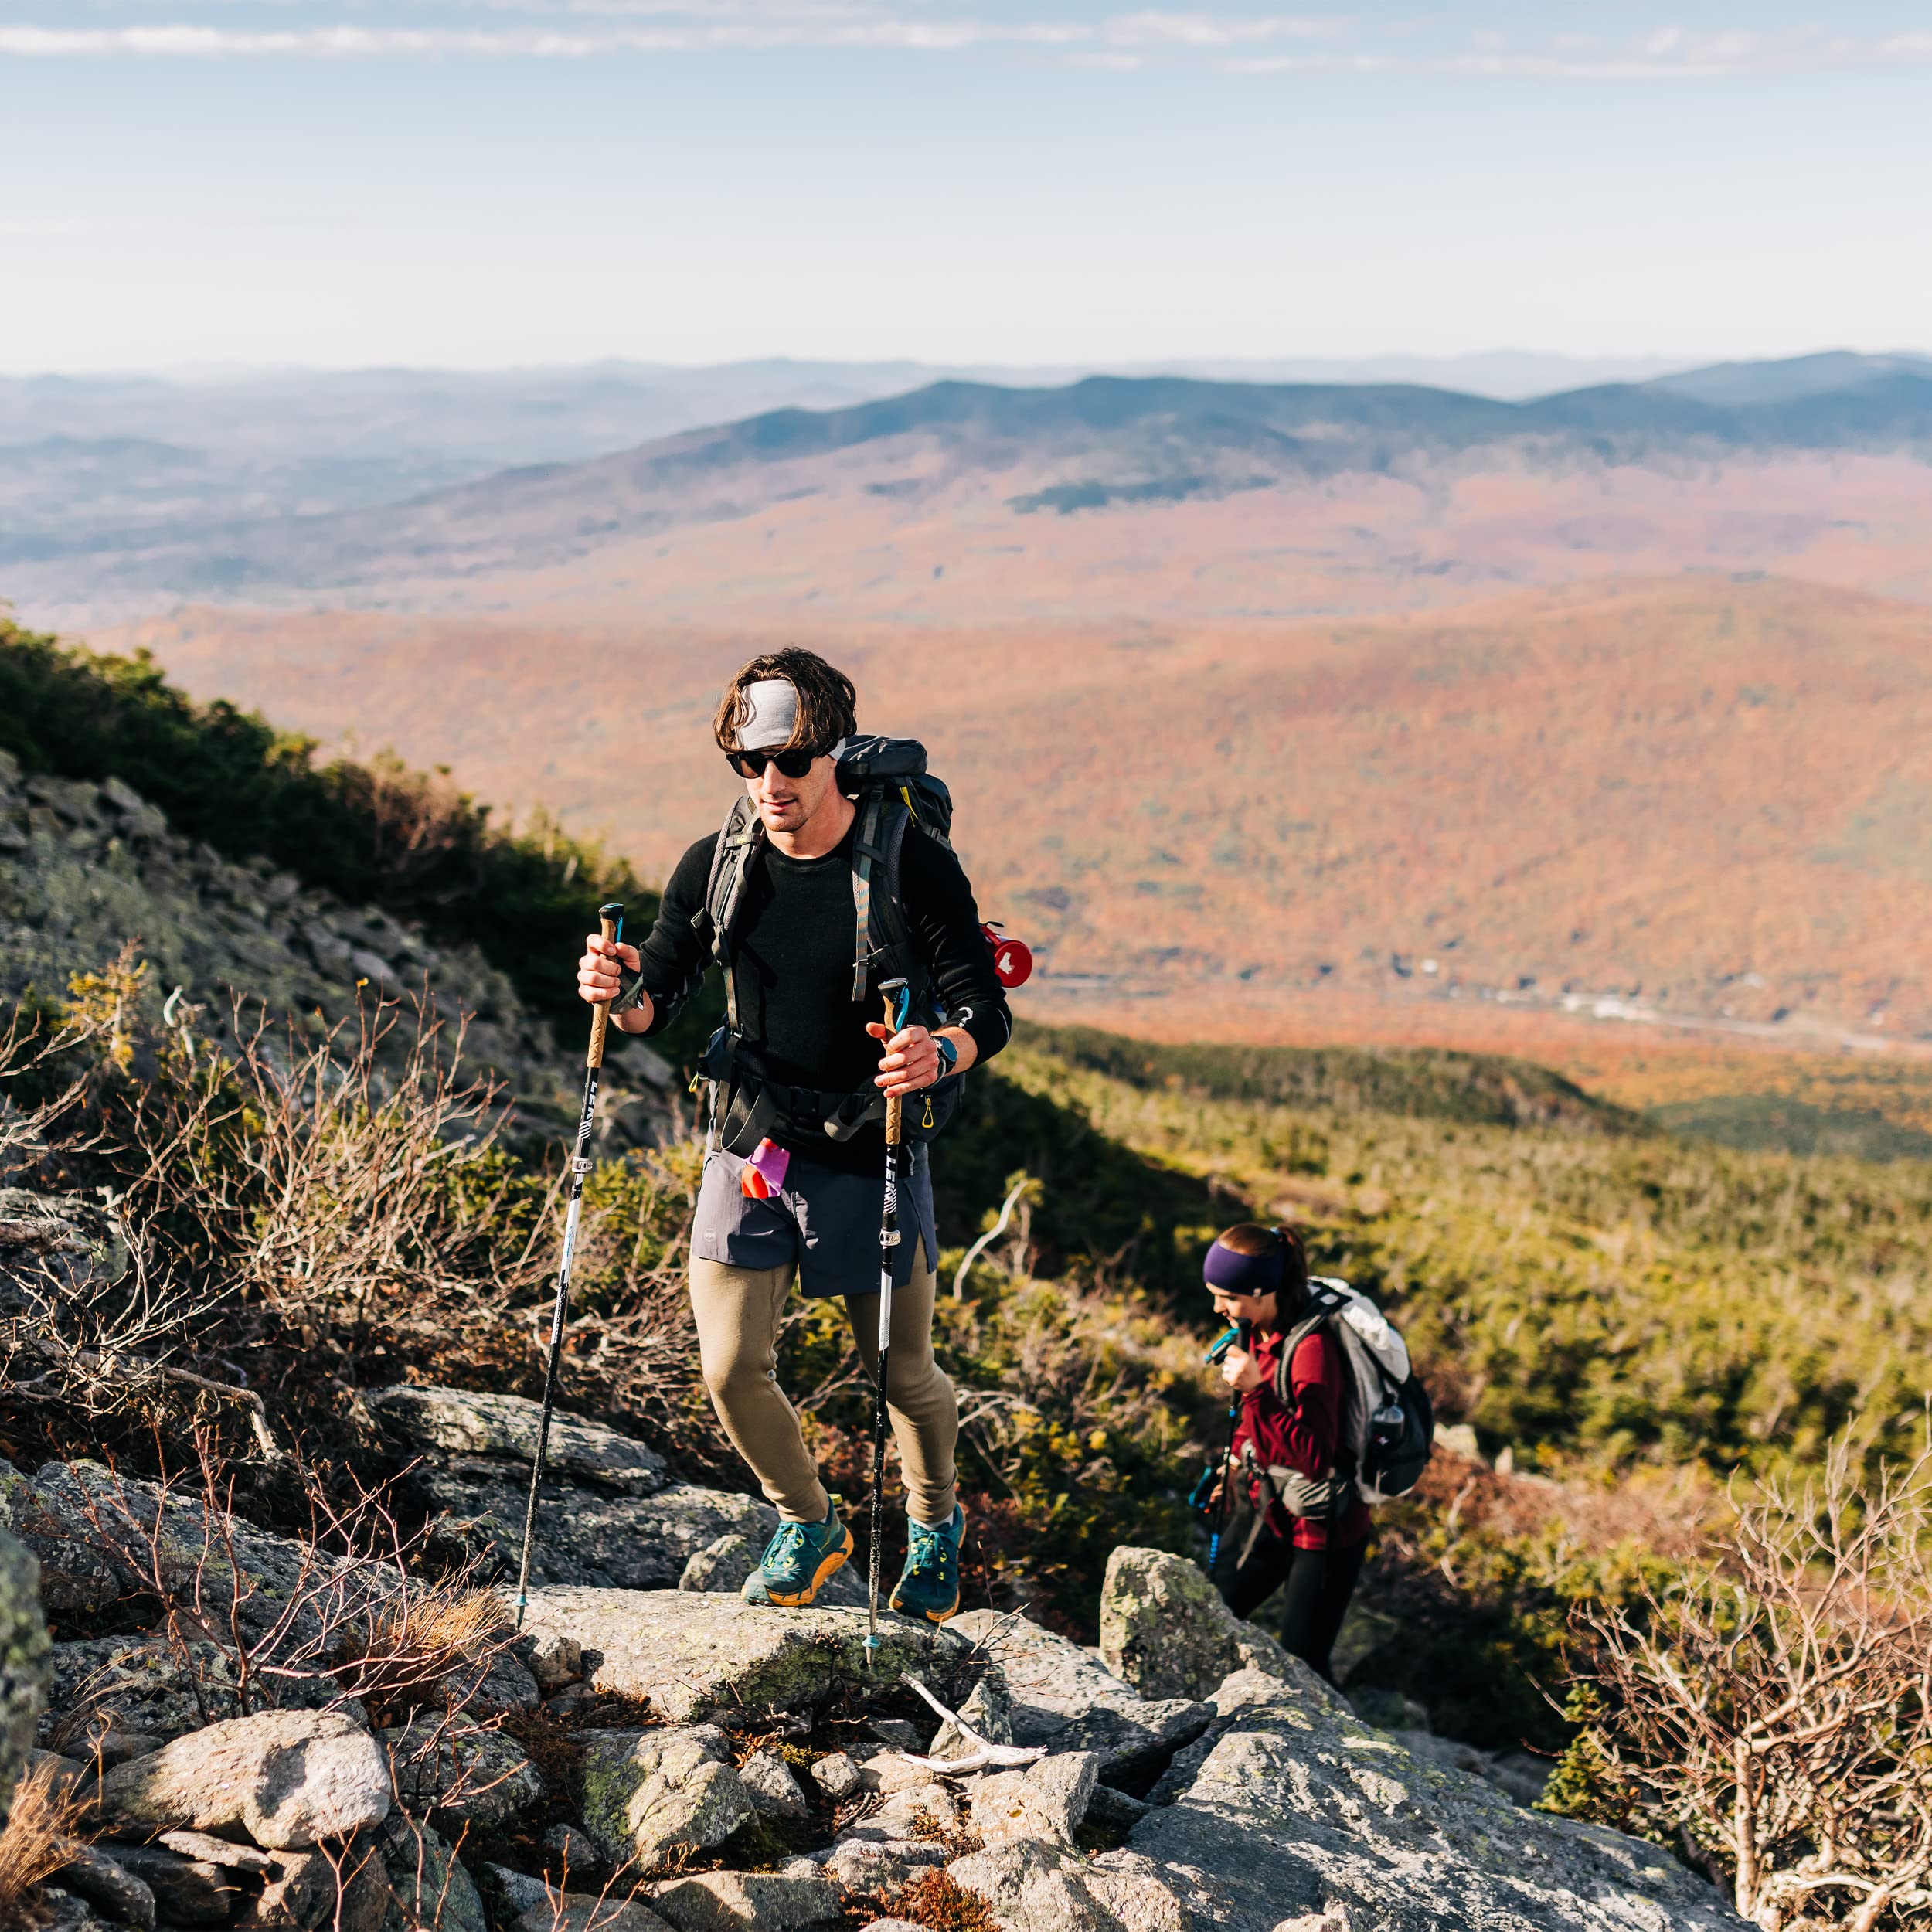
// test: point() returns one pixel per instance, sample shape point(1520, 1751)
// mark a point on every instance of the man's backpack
point(1388, 1426)
point(896, 796)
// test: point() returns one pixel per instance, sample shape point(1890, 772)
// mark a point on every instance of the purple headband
point(1233, 1274)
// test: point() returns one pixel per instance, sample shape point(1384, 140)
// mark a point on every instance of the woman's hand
point(910, 1061)
point(1241, 1372)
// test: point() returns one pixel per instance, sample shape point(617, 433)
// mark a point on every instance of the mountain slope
point(996, 454)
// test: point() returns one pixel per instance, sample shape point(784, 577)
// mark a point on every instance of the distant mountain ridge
point(1103, 442)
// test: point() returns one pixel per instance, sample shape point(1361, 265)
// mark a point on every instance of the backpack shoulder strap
point(882, 818)
point(739, 840)
point(1321, 1308)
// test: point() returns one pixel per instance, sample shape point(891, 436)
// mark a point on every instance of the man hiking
point(1300, 1523)
point(794, 1165)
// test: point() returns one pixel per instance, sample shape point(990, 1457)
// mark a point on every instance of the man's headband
point(771, 714)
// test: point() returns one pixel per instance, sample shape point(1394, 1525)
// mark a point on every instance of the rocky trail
point(262, 1734)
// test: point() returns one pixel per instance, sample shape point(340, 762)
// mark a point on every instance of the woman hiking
point(1299, 1524)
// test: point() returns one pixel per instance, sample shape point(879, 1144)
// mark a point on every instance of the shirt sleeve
point(946, 929)
point(677, 949)
point(1304, 1438)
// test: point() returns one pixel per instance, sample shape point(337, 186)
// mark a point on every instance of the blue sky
point(481, 182)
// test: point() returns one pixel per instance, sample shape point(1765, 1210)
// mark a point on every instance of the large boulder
point(1164, 1629)
point(1301, 1814)
point(102, 1537)
point(23, 1662)
point(585, 1536)
point(1033, 1887)
point(1047, 1801)
point(288, 1778)
point(654, 1797)
point(485, 1423)
point(747, 1901)
point(687, 1653)
point(1060, 1696)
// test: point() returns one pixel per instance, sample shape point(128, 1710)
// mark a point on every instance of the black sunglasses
point(794, 763)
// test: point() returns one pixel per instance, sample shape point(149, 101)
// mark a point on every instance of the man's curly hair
point(828, 704)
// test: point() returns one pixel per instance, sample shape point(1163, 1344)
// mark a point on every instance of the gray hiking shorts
point(825, 1221)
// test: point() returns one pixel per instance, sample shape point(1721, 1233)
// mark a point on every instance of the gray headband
point(771, 714)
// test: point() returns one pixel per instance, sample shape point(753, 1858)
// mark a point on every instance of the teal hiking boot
point(929, 1585)
point(796, 1562)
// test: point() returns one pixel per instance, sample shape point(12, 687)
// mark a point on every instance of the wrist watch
point(948, 1054)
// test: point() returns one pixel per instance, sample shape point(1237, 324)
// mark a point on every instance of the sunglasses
point(791, 765)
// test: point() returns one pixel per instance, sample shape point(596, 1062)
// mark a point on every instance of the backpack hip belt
point(1307, 1499)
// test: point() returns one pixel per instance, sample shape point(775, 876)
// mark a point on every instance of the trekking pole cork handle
point(610, 922)
point(895, 1106)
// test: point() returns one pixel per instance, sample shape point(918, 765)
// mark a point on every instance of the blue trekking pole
point(1237, 1333)
point(611, 921)
point(896, 1011)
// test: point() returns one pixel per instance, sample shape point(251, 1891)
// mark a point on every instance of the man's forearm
point(968, 1047)
point(637, 1018)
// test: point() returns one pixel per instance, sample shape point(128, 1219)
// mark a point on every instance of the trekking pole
point(611, 921)
point(1238, 1333)
point(896, 1011)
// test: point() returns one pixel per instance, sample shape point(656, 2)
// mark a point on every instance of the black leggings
point(1318, 1585)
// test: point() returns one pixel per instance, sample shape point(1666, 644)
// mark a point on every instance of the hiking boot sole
point(829, 1567)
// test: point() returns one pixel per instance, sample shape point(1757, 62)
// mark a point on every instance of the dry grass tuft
point(43, 1831)
point(411, 1643)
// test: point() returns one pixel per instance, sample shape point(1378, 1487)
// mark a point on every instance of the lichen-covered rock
point(56, 1245)
point(99, 1536)
point(1031, 1887)
point(745, 1902)
point(879, 1865)
point(149, 1686)
point(24, 1661)
point(1164, 1629)
point(1064, 1698)
point(485, 1422)
point(430, 1890)
point(586, 1537)
point(289, 1778)
point(689, 1654)
point(448, 1764)
point(1301, 1812)
point(837, 1775)
point(654, 1797)
point(1047, 1801)
point(1236, 1695)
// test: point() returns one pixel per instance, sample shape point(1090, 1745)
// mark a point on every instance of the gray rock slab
point(289, 1778)
point(1062, 1697)
point(585, 1536)
point(687, 1653)
point(588, 1912)
point(1032, 1887)
point(109, 1887)
point(1243, 1691)
point(772, 1788)
point(1164, 1629)
point(881, 1864)
point(484, 1422)
point(188, 1891)
point(1301, 1812)
point(149, 1686)
point(745, 1901)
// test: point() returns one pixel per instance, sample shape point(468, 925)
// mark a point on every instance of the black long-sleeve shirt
point(792, 955)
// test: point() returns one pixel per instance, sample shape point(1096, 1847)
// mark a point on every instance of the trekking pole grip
point(610, 922)
point(895, 1107)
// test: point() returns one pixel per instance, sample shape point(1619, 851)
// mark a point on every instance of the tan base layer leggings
point(738, 1311)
